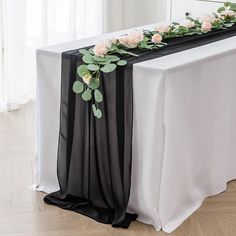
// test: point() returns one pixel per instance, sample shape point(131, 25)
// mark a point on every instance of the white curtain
point(29, 24)
point(26, 25)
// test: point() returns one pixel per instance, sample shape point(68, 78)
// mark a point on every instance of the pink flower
point(207, 17)
point(132, 39)
point(162, 28)
point(156, 38)
point(189, 24)
point(206, 26)
point(228, 13)
point(101, 48)
point(124, 40)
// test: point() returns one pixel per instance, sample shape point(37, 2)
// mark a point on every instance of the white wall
point(132, 13)
point(113, 19)
point(141, 12)
point(179, 7)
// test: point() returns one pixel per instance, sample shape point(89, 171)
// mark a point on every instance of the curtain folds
point(94, 155)
point(26, 25)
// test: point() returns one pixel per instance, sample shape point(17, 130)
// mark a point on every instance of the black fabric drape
point(94, 155)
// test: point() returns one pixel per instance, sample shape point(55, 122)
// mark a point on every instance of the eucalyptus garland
point(105, 56)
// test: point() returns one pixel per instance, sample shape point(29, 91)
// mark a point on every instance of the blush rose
point(206, 26)
point(156, 38)
point(132, 39)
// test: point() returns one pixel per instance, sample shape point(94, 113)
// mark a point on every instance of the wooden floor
point(23, 213)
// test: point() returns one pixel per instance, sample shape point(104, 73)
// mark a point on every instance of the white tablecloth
point(184, 128)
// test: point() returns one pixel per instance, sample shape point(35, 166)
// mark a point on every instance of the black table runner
point(94, 155)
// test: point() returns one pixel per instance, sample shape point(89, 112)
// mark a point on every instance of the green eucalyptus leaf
point(221, 9)
point(96, 112)
point(112, 67)
point(98, 96)
point(99, 59)
point(143, 44)
point(146, 38)
point(190, 33)
point(99, 114)
point(83, 51)
point(94, 109)
point(104, 62)
point(175, 23)
point(91, 51)
point(82, 71)
point(228, 25)
point(233, 6)
point(78, 87)
point(160, 45)
point(122, 63)
point(215, 15)
point(87, 95)
point(88, 58)
point(113, 48)
point(105, 69)
point(112, 58)
point(108, 68)
point(93, 67)
point(226, 4)
point(94, 83)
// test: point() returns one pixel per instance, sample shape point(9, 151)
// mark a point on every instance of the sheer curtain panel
point(26, 25)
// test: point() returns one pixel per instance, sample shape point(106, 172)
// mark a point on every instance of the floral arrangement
point(105, 56)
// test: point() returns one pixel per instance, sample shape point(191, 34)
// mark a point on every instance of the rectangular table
point(184, 128)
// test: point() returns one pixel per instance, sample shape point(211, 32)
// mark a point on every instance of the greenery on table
point(106, 55)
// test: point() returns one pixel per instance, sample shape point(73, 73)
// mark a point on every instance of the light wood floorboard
point(23, 212)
